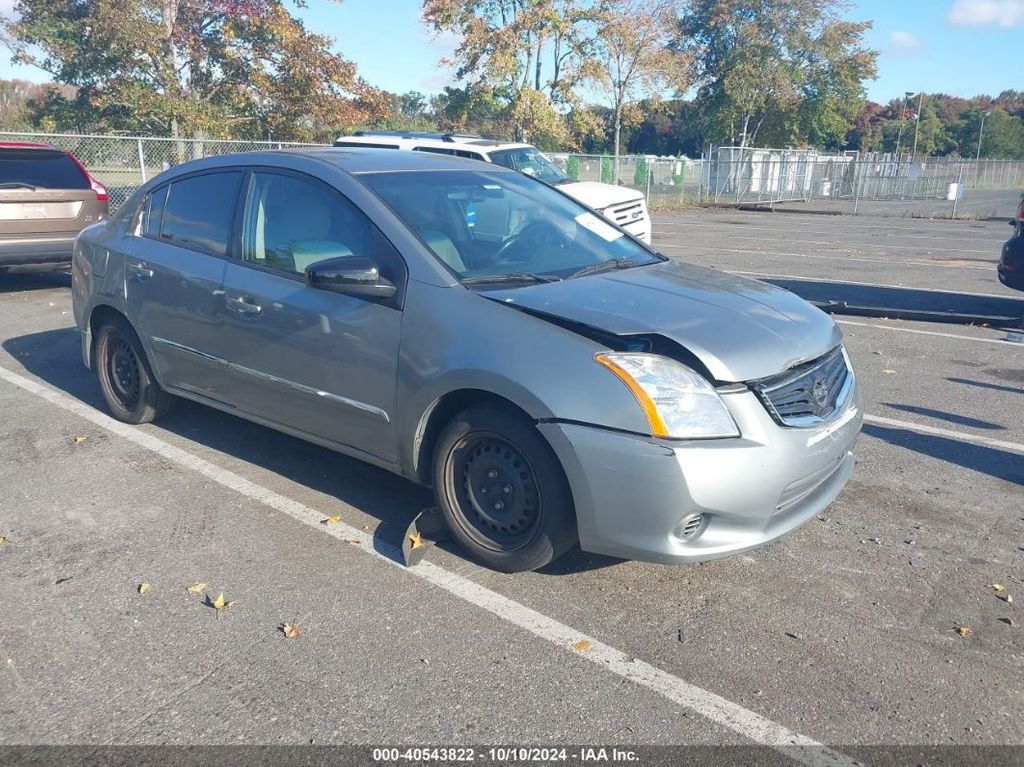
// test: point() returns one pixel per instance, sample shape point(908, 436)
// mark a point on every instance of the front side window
point(291, 223)
point(532, 162)
point(199, 211)
point(484, 224)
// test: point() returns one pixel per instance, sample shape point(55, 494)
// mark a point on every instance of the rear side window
point(42, 168)
point(154, 212)
point(199, 211)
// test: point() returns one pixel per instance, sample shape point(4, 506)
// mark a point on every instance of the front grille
point(626, 213)
point(807, 394)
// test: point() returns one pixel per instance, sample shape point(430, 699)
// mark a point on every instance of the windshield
point(530, 161)
point(485, 224)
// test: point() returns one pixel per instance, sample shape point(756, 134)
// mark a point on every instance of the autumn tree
point(783, 71)
point(195, 68)
point(517, 49)
point(632, 47)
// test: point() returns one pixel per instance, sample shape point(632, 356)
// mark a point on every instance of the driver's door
point(310, 359)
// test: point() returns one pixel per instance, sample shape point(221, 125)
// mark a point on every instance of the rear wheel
point(126, 379)
point(502, 491)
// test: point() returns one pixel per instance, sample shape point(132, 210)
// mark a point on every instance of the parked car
point(553, 379)
point(46, 198)
point(1011, 263)
point(622, 205)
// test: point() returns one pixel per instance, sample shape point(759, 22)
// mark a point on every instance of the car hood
point(599, 196)
point(741, 329)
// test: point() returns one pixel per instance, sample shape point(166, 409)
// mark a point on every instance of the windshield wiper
point(510, 277)
point(606, 266)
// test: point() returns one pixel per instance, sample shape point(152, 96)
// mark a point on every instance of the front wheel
point(126, 380)
point(502, 491)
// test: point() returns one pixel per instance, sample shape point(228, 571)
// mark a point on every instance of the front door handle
point(243, 305)
point(140, 270)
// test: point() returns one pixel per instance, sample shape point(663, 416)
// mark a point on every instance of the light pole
point(903, 122)
point(981, 134)
point(917, 127)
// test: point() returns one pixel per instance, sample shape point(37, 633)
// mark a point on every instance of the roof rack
point(450, 137)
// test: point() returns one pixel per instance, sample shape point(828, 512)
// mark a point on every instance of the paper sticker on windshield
point(598, 227)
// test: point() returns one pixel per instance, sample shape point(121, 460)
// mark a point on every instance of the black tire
point(126, 379)
point(502, 490)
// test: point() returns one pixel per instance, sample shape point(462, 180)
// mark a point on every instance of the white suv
point(626, 207)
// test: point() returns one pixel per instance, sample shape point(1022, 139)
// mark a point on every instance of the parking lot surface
point(844, 633)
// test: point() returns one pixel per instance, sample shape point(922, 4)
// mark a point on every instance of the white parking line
point(868, 284)
point(928, 333)
point(959, 436)
point(707, 704)
point(703, 250)
point(848, 244)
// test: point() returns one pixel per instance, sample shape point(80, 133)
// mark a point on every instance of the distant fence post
point(142, 161)
point(959, 189)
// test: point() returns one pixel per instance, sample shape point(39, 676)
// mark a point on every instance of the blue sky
point(961, 47)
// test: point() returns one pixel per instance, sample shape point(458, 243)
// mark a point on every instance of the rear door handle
point(243, 305)
point(140, 270)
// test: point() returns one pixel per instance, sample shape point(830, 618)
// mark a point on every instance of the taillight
point(102, 195)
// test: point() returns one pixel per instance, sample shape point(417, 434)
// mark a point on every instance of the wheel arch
point(440, 412)
point(97, 316)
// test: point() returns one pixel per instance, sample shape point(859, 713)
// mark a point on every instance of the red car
point(46, 198)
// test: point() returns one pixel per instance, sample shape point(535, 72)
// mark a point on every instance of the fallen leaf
point(416, 540)
point(582, 646)
point(143, 587)
point(1008, 598)
point(79, 439)
point(964, 631)
point(3, 539)
point(355, 541)
point(997, 587)
point(290, 630)
point(197, 588)
point(878, 353)
point(219, 603)
point(330, 520)
point(888, 372)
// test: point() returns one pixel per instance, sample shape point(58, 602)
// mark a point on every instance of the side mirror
point(350, 275)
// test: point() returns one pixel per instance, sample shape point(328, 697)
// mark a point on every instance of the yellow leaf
point(143, 587)
point(888, 372)
point(197, 588)
point(582, 646)
point(355, 541)
point(3, 539)
point(998, 587)
point(220, 603)
point(416, 540)
point(964, 631)
point(291, 630)
point(80, 439)
point(330, 520)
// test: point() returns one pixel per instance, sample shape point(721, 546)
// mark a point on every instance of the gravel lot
point(843, 633)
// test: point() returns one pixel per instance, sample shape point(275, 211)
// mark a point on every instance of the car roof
point(453, 141)
point(355, 161)
point(28, 145)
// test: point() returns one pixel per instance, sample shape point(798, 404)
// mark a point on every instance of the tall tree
point(633, 48)
point(195, 67)
point(784, 70)
point(516, 49)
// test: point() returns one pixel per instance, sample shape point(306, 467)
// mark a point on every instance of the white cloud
point(977, 13)
point(904, 44)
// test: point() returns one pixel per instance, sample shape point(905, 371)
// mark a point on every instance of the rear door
point(44, 192)
point(174, 268)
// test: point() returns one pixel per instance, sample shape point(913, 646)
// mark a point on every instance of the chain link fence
point(798, 179)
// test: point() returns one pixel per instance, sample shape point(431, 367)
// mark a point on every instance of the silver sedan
point(555, 380)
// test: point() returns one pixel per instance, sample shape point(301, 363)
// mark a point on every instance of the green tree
point(778, 71)
point(633, 48)
point(640, 171)
point(607, 175)
point(194, 67)
point(572, 167)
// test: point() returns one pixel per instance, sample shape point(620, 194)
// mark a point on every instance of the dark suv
point(46, 198)
point(1011, 264)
